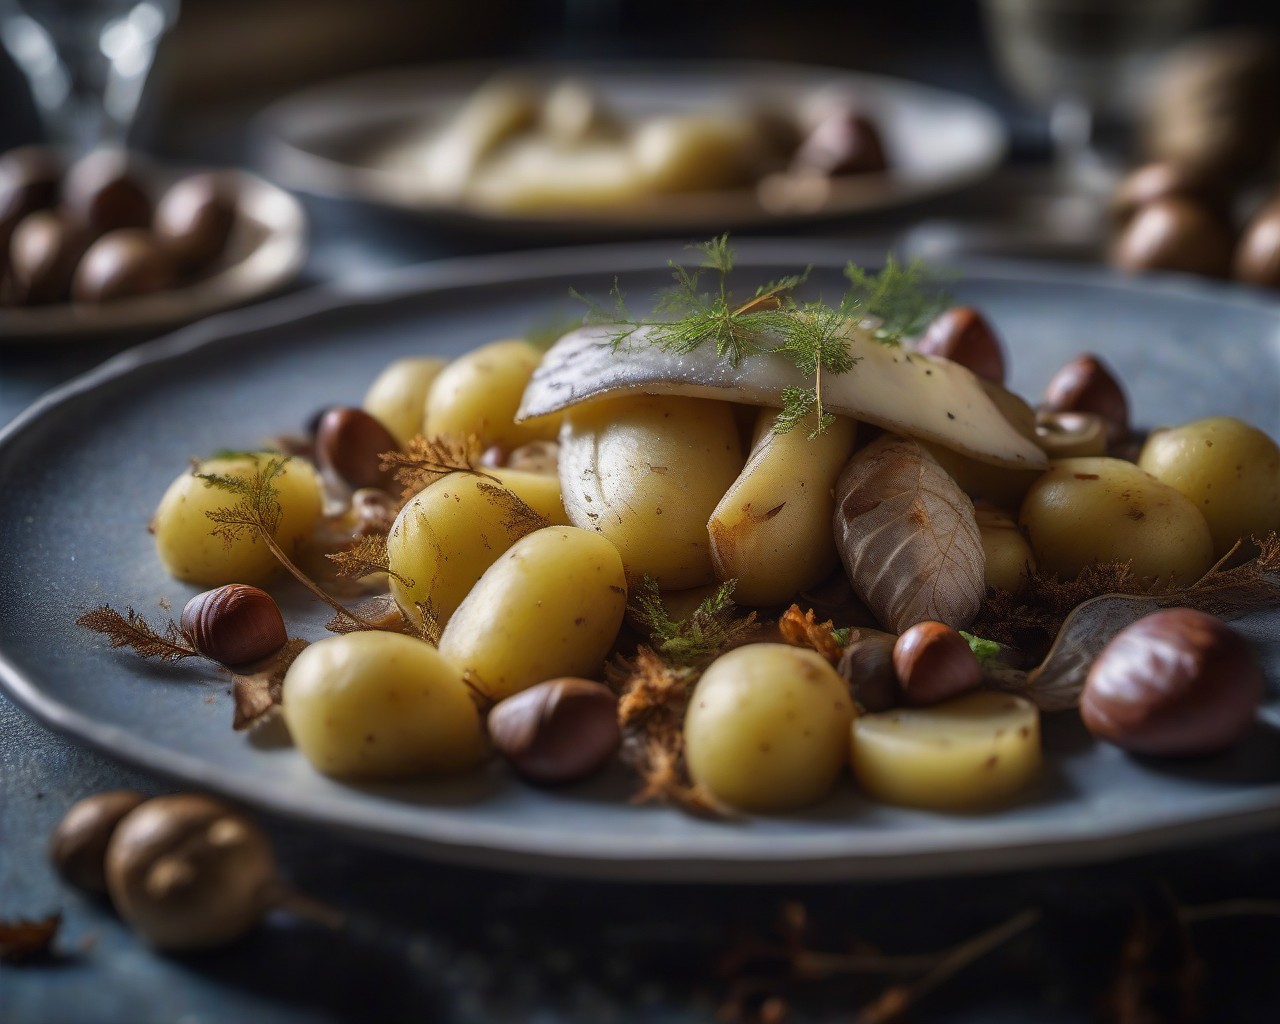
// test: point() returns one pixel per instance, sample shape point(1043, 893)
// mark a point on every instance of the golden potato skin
point(1009, 558)
point(772, 530)
point(540, 491)
point(550, 606)
point(647, 472)
point(377, 705)
point(398, 396)
point(767, 727)
point(1099, 509)
point(444, 539)
point(997, 485)
point(1228, 469)
point(479, 393)
point(188, 549)
point(964, 754)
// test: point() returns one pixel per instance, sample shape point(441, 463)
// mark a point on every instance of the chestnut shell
point(235, 624)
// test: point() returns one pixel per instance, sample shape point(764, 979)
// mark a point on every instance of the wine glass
point(86, 61)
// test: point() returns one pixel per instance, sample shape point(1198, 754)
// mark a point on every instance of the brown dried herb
point(258, 693)
point(24, 940)
point(366, 556)
point(908, 536)
point(426, 460)
point(518, 518)
point(802, 629)
point(377, 613)
point(133, 631)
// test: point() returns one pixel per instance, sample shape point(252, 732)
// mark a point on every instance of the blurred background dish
point(372, 138)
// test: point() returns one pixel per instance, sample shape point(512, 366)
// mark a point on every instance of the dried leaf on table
point(426, 460)
point(133, 631)
point(258, 693)
point(378, 613)
point(908, 536)
point(23, 940)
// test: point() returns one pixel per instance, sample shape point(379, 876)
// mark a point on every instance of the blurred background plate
point(73, 529)
point(264, 253)
point(334, 140)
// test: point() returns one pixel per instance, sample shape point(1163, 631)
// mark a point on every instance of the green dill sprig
point(813, 335)
point(713, 627)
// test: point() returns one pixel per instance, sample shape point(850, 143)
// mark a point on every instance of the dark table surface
point(427, 942)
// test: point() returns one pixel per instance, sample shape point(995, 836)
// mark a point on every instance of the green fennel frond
point(713, 627)
point(903, 298)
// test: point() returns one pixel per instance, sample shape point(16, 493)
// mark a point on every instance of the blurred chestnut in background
point(1168, 180)
point(1258, 254)
point(103, 190)
point(845, 141)
point(963, 335)
point(1174, 234)
point(120, 265)
point(43, 253)
point(29, 179)
point(194, 218)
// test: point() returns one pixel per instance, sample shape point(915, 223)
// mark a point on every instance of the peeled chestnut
point(933, 662)
point(1086, 384)
point(963, 335)
point(1163, 180)
point(43, 254)
point(558, 731)
point(845, 141)
point(194, 218)
point(122, 264)
point(1257, 259)
point(1174, 234)
point(103, 190)
point(1178, 683)
point(78, 846)
point(235, 624)
point(349, 443)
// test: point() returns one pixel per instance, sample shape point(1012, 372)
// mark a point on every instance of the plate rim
point(1242, 811)
point(315, 174)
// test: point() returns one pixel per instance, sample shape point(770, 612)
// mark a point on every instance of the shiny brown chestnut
point(29, 179)
point(122, 264)
point(845, 141)
point(234, 624)
point(194, 218)
point(349, 444)
point(867, 666)
point(934, 662)
point(1178, 683)
point(1257, 259)
point(963, 335)
point(1174, 234)
point(103, 191)
point(78, 846)
point(557, 731)
point(1166, 179)
point(1086, 384)
point(43, 254)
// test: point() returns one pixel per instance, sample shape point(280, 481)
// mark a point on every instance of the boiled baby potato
point(689, 152)
point(1009, 561)
point(184, 541)
point(377, 705)
point(767, 727)
point(1000, 486)
point(647, 472)
point(397, 398)
point(1088, 510)
point(446, 536)
point(478, 393)
point(550, 606)
point(964, 754)
point(536, 174)
point(494, 114)
point(540, 491)
point(1228, 469)
point(772, 531)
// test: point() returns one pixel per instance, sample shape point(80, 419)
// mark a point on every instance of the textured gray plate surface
point(82, 471)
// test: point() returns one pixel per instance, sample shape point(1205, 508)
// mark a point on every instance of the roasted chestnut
point(557, 731)
point(1257, 259)
point(845, 141)
point(122, 264)
point(103, 191)
point(1166, 179)
point(234, 624)
point(963, 335)
point(933, 662)
point(193, 220)
point(349, 443)
point(1086, 384)
point(1174, 234)
point(28, 182)
point(78, 846)
point(43, 253)
point(1178, 683)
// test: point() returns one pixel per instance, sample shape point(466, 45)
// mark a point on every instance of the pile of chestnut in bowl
point(94, 232)
point(1182, 217)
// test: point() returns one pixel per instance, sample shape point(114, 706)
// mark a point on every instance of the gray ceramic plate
point(82, 471)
